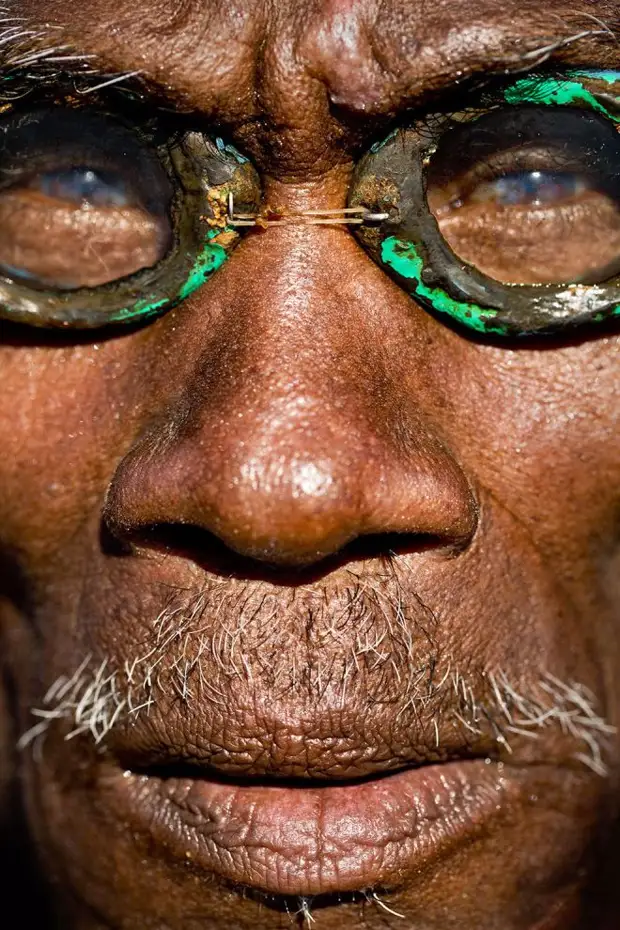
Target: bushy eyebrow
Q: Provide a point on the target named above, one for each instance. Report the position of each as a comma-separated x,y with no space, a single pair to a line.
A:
41,56
33,56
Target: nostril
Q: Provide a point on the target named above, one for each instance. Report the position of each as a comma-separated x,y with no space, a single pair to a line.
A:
214,557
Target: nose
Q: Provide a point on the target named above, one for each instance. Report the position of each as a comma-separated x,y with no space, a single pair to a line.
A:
296,414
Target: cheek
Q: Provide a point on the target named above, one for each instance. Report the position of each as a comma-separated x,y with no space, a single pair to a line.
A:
64,416
539,431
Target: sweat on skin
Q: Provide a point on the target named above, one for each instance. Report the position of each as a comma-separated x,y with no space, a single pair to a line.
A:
309,605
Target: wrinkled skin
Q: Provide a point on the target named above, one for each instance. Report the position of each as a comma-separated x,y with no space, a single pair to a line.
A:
273,434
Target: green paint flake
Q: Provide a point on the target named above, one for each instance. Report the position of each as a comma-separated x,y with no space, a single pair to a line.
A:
227,149
142,308
379,145
404,258
555,92
602,317
610,77
210,259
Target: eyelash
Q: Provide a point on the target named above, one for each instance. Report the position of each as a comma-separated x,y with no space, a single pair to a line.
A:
404,258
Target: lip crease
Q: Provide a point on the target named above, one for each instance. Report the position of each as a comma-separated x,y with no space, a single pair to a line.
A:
316,839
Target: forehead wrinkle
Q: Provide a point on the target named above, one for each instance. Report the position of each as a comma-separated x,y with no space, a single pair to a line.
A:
378,56
282,75
369,53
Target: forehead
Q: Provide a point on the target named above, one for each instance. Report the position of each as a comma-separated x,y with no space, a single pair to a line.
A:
289,78
205,47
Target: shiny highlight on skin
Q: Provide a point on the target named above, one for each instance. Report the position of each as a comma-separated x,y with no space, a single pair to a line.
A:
300,440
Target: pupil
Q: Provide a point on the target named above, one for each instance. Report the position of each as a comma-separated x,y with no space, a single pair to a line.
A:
536,188
84,186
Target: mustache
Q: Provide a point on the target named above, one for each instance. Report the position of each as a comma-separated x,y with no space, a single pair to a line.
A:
369,641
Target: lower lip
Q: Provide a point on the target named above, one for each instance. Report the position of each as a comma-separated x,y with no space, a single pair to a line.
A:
317,840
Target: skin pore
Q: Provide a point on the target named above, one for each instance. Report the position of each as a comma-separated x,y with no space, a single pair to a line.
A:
299,535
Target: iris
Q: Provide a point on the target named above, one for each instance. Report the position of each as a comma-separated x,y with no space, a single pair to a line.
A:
84,186
535,188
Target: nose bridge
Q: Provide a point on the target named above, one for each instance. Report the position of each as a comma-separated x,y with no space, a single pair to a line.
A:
291,339
297,382
286,316
283,421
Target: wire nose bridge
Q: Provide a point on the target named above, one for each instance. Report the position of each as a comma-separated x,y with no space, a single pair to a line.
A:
348,216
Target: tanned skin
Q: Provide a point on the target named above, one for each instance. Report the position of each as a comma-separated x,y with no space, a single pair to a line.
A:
297,432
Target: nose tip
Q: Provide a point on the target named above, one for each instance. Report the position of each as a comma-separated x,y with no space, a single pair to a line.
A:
289,532
265,502
292,515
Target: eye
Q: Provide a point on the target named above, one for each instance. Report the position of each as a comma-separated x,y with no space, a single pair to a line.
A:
530,196
79,226
506,215
103,221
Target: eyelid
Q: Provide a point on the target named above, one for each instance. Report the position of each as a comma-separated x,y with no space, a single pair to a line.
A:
508,141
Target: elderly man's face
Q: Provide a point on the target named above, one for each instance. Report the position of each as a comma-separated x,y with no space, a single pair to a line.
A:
313,590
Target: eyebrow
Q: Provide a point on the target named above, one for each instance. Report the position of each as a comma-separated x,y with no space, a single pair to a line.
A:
30,58
34,56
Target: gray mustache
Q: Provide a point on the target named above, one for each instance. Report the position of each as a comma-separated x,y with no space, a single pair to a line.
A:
369,642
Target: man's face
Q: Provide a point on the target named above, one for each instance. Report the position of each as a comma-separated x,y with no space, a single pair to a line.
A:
317,592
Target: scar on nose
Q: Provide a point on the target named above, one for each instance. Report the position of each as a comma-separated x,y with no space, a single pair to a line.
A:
339,51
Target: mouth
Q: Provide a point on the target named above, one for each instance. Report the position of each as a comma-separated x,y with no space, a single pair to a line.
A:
353,758
309,837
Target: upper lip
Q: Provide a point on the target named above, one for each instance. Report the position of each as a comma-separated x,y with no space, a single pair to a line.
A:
278,753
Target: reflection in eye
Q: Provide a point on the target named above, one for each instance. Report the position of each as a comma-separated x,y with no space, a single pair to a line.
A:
534,188
84,186
80,227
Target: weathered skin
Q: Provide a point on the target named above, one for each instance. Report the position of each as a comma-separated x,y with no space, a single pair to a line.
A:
297,404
